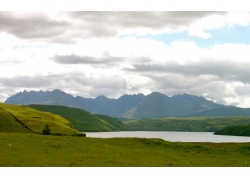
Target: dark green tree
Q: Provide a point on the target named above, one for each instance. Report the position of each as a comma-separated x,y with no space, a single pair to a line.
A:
46,130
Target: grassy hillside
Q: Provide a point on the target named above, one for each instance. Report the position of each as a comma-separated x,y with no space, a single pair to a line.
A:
82,120
239,130
118,125
24,150
23,118
9,124
225,111
195,124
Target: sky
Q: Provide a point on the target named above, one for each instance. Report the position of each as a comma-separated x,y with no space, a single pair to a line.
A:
111,53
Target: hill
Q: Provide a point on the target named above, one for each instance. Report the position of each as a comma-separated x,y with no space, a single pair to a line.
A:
25,119
82,120
225,111
114,122
239,130
9,124
127,106
190,124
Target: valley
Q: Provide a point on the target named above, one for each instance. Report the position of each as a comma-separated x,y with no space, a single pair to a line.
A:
24,145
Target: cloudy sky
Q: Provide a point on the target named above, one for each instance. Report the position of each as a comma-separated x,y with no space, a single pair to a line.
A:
113,53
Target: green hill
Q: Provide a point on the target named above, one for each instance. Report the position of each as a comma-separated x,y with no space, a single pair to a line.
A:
82,120
16,118
191,124
9,124
225,111
239,130
118,125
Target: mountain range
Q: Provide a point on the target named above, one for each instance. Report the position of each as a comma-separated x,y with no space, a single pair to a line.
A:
127,106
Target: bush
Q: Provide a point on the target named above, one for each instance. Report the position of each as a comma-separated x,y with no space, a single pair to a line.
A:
80,135
46,130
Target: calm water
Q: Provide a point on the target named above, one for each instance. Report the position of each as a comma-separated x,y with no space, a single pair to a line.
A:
172,136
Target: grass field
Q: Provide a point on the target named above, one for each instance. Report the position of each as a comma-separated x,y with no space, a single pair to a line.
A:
192,124
33,150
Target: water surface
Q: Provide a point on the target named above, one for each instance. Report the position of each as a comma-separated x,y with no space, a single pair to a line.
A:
172,136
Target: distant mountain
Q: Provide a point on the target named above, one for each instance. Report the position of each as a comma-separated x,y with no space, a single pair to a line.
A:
196,103
99,105
127,106
110,107
225,111
158,105
55,97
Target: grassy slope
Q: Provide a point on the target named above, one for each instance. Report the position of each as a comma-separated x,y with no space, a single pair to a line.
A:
9,124
82,120
117,124
225,111
36,120
197,124
24,150
239,130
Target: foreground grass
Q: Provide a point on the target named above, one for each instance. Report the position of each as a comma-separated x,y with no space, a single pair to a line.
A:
29,150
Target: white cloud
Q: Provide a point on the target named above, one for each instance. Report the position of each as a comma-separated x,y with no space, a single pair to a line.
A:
114,61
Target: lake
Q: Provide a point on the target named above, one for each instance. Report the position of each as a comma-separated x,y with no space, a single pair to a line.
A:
171,136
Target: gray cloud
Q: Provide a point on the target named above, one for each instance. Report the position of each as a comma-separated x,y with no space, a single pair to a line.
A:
73,59
223,69
31,25
243,91
26,81
148,19
105,62
91,24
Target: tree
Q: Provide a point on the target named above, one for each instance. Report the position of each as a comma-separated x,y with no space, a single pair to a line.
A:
46,130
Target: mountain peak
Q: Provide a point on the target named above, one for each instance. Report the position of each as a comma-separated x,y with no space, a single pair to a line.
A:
157,94
101,97
57,90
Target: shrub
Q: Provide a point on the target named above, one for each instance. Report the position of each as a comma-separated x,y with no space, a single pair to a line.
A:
80,135
46,130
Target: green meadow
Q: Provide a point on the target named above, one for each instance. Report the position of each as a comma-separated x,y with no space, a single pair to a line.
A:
34,150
